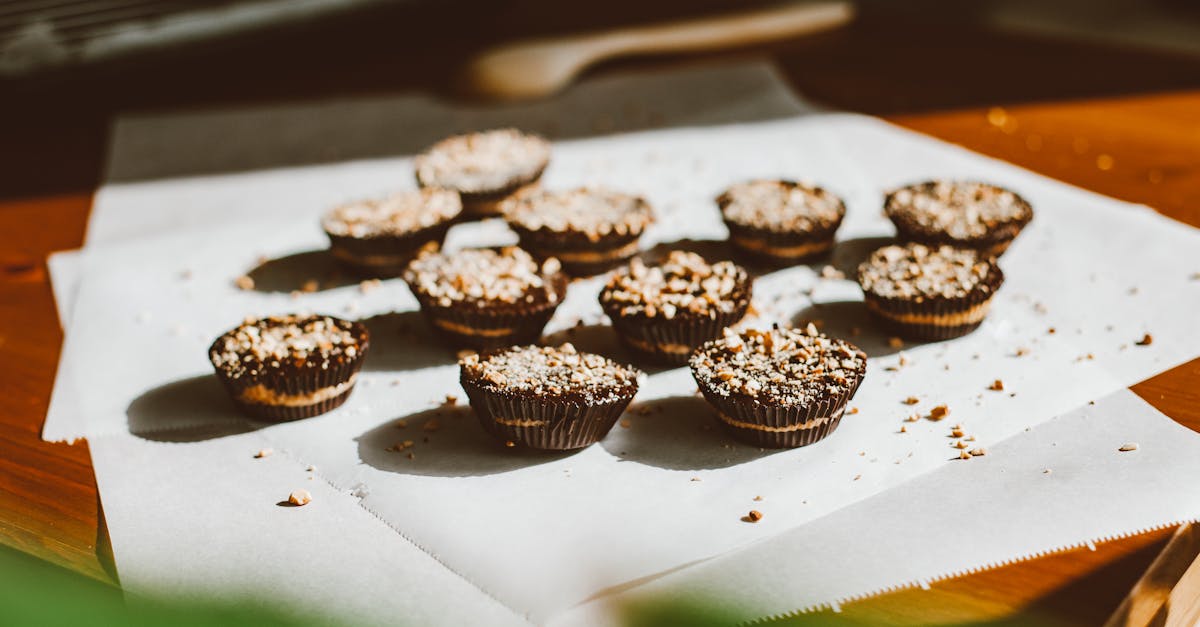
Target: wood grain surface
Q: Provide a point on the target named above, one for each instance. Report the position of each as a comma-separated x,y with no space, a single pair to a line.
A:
1124,123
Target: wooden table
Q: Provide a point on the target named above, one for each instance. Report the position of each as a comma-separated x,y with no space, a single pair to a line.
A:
1054,108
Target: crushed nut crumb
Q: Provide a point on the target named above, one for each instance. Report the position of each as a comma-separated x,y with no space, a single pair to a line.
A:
997,386
753,516
1146,340
1130,446
299,497
939,412
244,282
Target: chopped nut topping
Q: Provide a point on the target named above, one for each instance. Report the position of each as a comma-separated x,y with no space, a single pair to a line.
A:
912,400
997,386
1021,351
939,412
266,452
964,455
781,206
244,282
978,452
753,516
961,444
684,285
781,366
556,372
303,342
482,277
917,271
962,210
478,163
1130,446
1146,340
398,214
956,433
594,212
369,285
299,497
758,498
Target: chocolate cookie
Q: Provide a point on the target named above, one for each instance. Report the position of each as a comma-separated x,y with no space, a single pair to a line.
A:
547,398
290,367
781,387
929,293
964,214
663,312
781,223
485,298
380,237
484,168
588,230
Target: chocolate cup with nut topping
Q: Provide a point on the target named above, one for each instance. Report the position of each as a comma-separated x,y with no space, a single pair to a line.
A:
929,294
777,223
667,335
539,406
485,168
791,396
312,375
589,230
963,214
485,320
380,237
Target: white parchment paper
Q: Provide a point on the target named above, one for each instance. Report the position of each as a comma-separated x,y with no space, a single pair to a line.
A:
629,507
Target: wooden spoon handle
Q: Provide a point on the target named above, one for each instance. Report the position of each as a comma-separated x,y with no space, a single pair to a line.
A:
725,31
1168,593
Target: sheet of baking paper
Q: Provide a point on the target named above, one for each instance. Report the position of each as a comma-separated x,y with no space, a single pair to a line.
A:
630,507
165,171
212,522
1063,484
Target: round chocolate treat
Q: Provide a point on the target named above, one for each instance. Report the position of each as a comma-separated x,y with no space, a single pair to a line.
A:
290,367
485,168
381,236
547,398
663,312
781,223
780,387
964,214
588,230
484,298
929,293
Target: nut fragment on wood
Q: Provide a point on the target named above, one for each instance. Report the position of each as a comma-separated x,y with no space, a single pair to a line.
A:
1129,446
299,497
895,342
753,516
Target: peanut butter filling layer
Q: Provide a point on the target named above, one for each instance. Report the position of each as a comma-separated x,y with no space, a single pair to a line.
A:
592,256
519,422
259,394
970,316
663,347
799,250
463,329
800,426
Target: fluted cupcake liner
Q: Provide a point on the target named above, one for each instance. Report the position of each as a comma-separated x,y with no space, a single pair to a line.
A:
288,379
892,311
644,337
356,252
483,328
543,243
544,423
821,238
764,420
479,205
